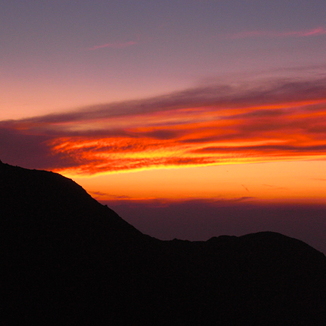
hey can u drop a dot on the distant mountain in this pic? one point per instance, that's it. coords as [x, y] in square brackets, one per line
[68, 260]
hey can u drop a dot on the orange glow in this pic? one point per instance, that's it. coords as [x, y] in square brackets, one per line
[298, 181]
[200, 136]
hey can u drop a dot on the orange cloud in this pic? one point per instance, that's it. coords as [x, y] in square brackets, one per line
[279, 120]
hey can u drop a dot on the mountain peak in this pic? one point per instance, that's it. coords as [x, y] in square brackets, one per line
[67, 259]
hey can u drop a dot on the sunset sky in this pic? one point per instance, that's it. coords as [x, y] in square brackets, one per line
[179, 106]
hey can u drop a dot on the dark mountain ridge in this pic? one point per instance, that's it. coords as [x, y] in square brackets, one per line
[67, 259]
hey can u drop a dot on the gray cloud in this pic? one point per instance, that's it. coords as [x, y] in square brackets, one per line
[30, 151]
[219, 96]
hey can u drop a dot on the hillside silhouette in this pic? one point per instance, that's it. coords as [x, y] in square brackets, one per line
[68, 260]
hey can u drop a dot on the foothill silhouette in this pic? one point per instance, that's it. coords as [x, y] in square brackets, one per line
[69, 260]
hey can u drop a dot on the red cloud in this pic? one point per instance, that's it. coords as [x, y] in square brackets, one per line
[279, 120]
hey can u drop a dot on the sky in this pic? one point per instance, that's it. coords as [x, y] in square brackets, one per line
[190, 118]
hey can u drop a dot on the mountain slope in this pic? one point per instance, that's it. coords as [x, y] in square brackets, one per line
[69, 260]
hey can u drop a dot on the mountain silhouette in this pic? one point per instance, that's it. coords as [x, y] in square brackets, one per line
[68, 260]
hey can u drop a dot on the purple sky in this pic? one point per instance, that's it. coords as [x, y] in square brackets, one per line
[59, 55]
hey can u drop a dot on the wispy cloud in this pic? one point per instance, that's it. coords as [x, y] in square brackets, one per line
[114, 45]
[276, 34]
[245, 188]
[266, 121]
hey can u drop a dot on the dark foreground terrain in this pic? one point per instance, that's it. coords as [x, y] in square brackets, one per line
[68, 260]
